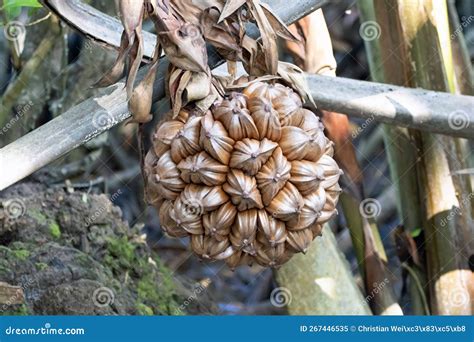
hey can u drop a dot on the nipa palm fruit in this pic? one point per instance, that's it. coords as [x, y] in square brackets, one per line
[253, 179]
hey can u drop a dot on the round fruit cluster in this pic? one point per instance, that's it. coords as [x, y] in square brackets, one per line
[251, 180]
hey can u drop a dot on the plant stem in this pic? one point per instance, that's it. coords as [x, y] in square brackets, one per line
[410, 35]
[320, 282]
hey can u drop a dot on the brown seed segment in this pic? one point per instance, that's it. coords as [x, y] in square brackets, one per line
[306, 175]
[273, 175]
[218, 223]
[244, 231]
[215, 140]
[287, 204]
[186, 141]
[202, 169]
[249, 154]
[167, 177]
[266, 118]
[243, 190]
[237, 120]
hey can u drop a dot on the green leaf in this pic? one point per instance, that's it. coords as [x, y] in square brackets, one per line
[12, 8]
[416, 232]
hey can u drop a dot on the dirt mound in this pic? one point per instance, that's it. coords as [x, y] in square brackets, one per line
[71, 253]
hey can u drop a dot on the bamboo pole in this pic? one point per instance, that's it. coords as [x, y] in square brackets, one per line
[412, 30]
[320, 282]
[319, 59]
[400, 149]
[96, 115]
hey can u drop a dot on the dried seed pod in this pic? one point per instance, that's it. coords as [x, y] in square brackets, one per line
[215, 140]
[312, 210]
[286, 106]
[165, 133]
[168, 224]
[273, 175]
[265, 90]
[249, 154]
[219, 222]
[306, 120]
[204, 198]
[167, 178]
[239, 258]
[237, 121]
[186, 141]
[332, 194]
[329, 151]
[242, 187]
[244, 231]
[243, 190]
[316, 229]
[187, 215]
[329, 209]
[299, 240]
[306, 175]
[208, 248]
[182, 42]
[273, 231]
[152, 194]
[266, 118]
[271, 255]
[202, 169]
[331, 171]
[287, 204]
[294, 142]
